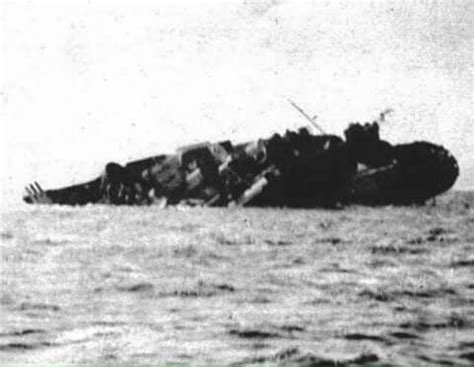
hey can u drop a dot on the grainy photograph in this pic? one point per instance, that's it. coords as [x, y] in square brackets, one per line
[237, 182]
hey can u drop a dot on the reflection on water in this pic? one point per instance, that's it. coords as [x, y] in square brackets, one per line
[124, 284]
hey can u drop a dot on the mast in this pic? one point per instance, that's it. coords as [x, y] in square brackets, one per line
[311, 120]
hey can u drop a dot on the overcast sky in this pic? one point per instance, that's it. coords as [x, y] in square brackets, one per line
[88, 82]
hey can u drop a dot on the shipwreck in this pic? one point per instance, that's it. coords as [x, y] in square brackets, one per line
[297, 169]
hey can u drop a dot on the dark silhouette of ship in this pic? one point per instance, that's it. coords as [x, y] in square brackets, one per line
[297, 169]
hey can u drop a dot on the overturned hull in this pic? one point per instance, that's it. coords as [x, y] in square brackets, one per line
[294, 170]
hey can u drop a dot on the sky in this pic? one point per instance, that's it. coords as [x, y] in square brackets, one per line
[83, 83]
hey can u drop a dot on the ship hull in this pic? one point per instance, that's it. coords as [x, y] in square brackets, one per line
[420, 171]
[296, 170]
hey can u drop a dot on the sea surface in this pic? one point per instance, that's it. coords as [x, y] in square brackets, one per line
[104, 284]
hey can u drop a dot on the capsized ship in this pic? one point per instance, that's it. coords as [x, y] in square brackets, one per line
[297, 169]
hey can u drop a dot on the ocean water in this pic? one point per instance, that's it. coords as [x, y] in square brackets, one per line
[360, 285]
